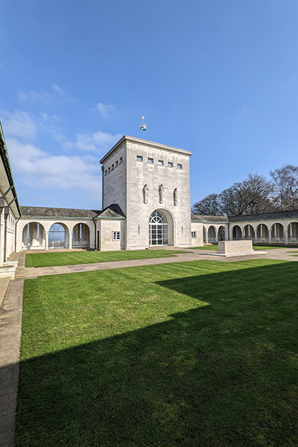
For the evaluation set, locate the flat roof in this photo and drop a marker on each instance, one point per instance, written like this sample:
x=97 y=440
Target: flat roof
x=145 y=143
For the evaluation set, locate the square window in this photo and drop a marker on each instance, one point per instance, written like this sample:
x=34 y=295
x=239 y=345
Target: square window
x=170 y=164
x=139 y=158
x=150 y=160
x=160 y=162
x=116 y=235
x=179 y=166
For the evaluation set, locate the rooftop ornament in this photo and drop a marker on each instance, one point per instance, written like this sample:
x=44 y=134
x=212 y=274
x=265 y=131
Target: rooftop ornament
x=143 y=126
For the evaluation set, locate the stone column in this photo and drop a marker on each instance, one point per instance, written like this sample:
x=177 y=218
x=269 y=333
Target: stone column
x=270 y=236
x=46 y=235
x=69 y=239
x=286 y=236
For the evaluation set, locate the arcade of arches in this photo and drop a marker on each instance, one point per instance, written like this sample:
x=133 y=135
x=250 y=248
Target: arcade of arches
x=59 y=235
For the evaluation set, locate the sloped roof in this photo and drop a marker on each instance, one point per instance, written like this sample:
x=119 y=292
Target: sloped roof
x=204 y=218
x=37 y=211
x=112 y=211
x=265 y=216
x=6 y=180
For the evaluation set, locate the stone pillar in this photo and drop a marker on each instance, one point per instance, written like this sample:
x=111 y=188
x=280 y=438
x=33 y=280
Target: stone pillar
x=46 y=235
x=6 y=213
x=270 y=236
x=70 y=239
x=286 y=236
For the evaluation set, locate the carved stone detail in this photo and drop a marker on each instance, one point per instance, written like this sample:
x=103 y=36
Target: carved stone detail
x=145 y=193
x=161 y=190
x=175 y=196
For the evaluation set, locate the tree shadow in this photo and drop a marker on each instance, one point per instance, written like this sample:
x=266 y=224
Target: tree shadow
x=218 y=375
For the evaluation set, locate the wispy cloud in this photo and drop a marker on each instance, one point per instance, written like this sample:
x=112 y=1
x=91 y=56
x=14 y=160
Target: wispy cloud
x=105 y=109
x=63 y=95
x=37 y=168
x=19 y=124
x=34 y=96
x=93 y=141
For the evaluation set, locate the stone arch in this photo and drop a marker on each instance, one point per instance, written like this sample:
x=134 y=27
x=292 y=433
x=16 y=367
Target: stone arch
x=262 y=233
x=161 y=228
x=212 y=235
x=222 y=233
x=249 y=232
x=81 y=236
x=292 y=231
x=277 y=233
x=236 y=233
x=33 y=236
x=58 y=235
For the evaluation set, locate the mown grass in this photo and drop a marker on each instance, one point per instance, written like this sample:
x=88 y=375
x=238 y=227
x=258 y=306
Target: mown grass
x=255 y=247
x=190 y=354
x=90 y=257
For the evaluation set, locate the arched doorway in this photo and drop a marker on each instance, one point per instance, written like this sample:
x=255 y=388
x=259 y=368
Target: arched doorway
x=262 y=233
x=158 y=229
x=277 y=233
x=237 y=233
x=33 y=236
x=81 y=236
x=221 y=233
x=58 y=236
x=249 y=233
x=211 y=235
x=293 y=232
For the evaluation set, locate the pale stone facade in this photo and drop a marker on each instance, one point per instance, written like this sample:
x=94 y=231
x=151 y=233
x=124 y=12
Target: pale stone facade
x=143 y=177
x=146 y=201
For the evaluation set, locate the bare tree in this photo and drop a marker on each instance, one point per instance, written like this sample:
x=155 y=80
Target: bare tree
x=252 y=195
x=286 y=187
x=208 y=206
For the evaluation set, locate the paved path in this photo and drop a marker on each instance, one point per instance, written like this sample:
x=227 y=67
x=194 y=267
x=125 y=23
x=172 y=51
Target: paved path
x=190 y=255
x=11 y=318
x=10 y=339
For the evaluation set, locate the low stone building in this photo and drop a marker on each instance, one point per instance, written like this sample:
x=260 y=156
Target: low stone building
x=146 y=203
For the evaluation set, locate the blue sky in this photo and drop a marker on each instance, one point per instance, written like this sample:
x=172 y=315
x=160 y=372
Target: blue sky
x=219 y=78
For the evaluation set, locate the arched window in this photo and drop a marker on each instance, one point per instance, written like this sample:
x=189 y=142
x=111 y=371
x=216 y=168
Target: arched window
x=158 y=229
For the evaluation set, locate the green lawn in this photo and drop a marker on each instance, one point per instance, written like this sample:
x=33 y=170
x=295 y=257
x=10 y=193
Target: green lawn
x=194 y=354
x=90 y=257
x=255 y=247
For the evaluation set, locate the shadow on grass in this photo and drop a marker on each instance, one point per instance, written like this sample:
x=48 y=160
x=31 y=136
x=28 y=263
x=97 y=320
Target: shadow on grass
x=220 y=375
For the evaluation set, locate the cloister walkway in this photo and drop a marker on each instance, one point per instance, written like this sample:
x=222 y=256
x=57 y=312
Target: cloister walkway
x=188 y=255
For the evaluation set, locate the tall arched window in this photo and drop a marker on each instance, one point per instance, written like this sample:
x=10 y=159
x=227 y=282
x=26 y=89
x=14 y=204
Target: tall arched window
x=158 y=229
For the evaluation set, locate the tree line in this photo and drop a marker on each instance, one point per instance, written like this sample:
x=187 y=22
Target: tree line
x=255 y=194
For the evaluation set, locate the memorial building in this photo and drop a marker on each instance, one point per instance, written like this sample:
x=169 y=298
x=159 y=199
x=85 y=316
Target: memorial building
x=146 y=203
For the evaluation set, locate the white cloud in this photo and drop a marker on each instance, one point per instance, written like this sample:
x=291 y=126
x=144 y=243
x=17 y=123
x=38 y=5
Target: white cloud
x=39 y=169
x=104 y=109
x=93 y=141
x=65 y=96
x=34 y=96
x=19 y=124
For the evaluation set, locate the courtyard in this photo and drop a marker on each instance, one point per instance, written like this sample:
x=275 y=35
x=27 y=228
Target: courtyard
x=198 y=353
